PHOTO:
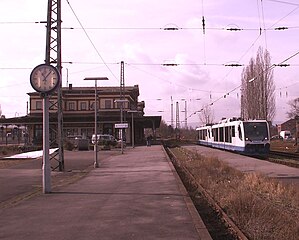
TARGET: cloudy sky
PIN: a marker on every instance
(133, 31)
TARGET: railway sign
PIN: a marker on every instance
(121, 125)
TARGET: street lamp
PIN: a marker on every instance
(121, 121)
(132, 112)
(95, 79)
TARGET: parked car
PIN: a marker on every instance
(74, 139)
(286, 135)
(276, 137)
(104, 139)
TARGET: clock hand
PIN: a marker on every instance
(43, 76)
(48, 75)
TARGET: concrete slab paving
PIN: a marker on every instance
(135, 195)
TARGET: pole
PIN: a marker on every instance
(46, 161)
(53, 56)
(95, 79)
(96, 163)
(133, 130)
(297, 134)
(122, 88)
(171, 110)
(121, 133)
(186, 125)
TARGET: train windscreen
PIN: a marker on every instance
(256, 131)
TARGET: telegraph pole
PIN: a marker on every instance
(53, 56)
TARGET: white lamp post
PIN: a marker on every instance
(95, 79)
(132, 112)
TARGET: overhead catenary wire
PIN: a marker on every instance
(200, 28)
(284, 2)
(234, 89)
(264, 29)
(231, 29)
(90, 40)
(20, 22)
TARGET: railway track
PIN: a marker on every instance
(217, 221)
(286, 158)
(285, 154)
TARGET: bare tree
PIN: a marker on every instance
(206, 116)
(258, 99)
(294, 108)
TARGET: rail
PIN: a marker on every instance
(286, 158)
(229, 222)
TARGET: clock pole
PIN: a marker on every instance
(46, 160)
(45, 79)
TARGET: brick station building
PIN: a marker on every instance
(79, 115)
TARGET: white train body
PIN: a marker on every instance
(247, 137)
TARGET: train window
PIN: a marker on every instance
(256, 131)
(226, 134)
(233, 131)
(202, 134)
(215, 134)
(230, 134)
(221, 134)
(240, 132)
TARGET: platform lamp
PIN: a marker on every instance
(95, 79)
(132, 112)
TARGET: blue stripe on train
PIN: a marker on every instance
(250, 149)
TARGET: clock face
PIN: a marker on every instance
(44, 78)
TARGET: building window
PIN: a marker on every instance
(121, 104)
(83, 105)
(108, 104)
(39, 105)
(92, 106)
(71, 106)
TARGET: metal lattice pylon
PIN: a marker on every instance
(122, 89)
(53, 57)
(177, 116)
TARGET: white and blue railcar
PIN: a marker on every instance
(247, 137)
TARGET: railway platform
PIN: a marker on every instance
(135, 195)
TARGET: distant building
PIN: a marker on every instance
(289, 125)
(79, 114)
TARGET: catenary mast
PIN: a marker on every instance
(53, 57)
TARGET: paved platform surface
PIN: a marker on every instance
(135, 195)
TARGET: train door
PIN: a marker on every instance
(240, 140)
(209, 136)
